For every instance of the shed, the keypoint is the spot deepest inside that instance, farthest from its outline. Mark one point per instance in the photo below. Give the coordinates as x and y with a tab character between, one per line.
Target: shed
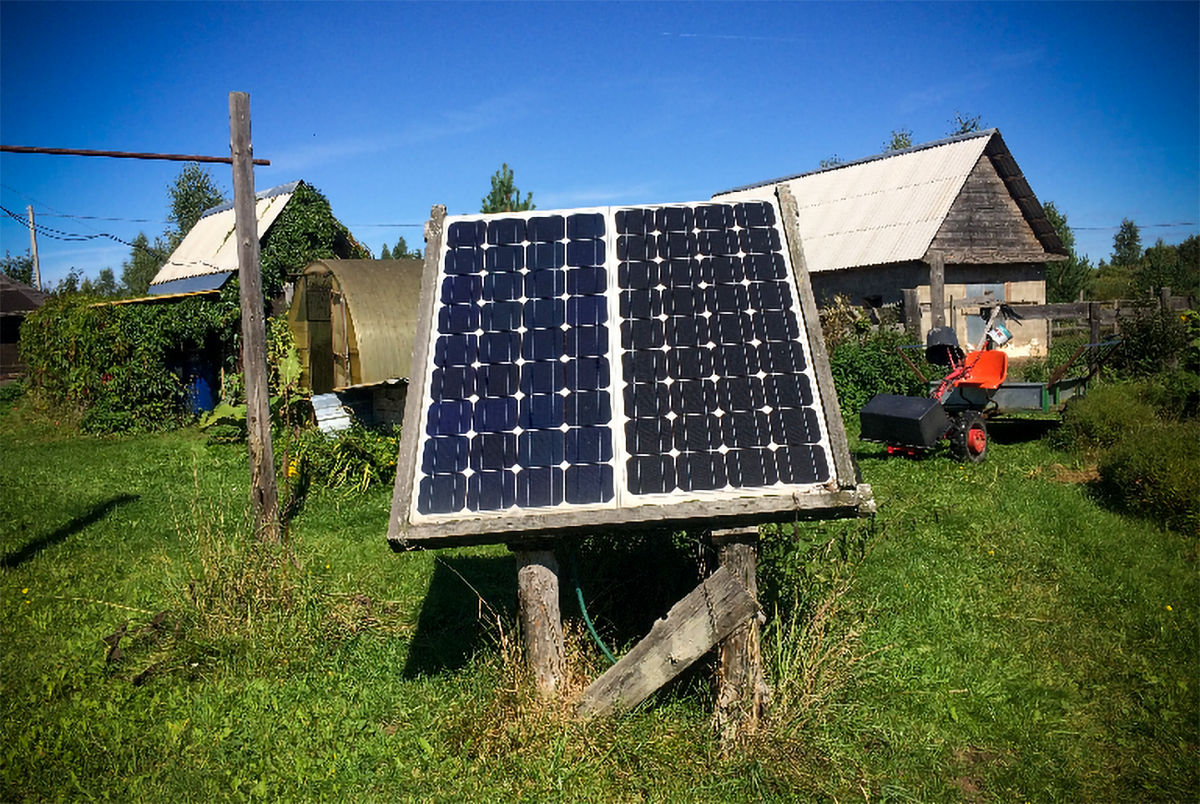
354	322
17	300
208	255
872	227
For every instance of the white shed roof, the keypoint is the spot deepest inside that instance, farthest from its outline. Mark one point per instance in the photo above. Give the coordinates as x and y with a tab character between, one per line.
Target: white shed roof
210	248
875	211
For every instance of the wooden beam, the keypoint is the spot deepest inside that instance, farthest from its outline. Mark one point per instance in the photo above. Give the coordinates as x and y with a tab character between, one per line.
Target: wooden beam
693	625
937	288
541	620
742	691
912	312
264	493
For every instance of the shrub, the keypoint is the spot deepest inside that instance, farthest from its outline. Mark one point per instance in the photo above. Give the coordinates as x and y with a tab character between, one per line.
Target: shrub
1156	474
1100	419
1174	394
871	364
354	459
1154	341
12	392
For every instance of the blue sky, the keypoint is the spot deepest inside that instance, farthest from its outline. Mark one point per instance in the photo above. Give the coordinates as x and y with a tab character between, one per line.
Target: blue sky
389	108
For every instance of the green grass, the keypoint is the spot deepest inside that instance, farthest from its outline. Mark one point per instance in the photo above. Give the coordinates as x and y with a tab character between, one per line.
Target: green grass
998	636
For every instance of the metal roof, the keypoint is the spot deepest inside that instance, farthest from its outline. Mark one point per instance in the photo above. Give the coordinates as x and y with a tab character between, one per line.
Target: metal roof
210	247
888	208
17	298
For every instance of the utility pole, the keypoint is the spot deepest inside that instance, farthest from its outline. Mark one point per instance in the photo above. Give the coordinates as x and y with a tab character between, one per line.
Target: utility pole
37	273
264	493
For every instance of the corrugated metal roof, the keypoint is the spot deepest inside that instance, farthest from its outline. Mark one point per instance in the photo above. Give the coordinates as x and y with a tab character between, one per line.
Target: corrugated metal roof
881	210
210	247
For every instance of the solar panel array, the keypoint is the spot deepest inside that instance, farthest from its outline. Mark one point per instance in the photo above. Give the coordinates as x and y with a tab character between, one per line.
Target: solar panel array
615	357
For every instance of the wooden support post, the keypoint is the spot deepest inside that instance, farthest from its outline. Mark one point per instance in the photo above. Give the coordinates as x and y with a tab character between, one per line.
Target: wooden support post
912	313
937	288
707	615
742	691
264	493
1094	334
541	620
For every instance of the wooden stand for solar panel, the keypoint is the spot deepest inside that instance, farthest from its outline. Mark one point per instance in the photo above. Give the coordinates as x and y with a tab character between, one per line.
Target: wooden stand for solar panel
721	610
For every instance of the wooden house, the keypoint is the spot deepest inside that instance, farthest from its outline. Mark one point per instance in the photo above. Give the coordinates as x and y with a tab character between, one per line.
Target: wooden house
17	300
875	228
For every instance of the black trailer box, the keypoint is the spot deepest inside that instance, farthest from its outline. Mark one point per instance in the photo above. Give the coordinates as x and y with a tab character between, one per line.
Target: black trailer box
910	421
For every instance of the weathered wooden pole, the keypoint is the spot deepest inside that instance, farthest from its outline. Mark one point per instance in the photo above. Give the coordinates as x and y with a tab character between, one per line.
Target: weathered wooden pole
541	620
937	288
912	312
264	493
742	691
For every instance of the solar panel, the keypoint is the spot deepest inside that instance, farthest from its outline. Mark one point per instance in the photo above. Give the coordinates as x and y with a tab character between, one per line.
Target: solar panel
598	366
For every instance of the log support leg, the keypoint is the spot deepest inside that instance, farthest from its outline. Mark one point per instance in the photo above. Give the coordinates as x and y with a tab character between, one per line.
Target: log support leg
742	693
541	620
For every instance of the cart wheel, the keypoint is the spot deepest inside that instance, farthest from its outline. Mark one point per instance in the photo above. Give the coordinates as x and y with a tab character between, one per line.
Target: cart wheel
969	441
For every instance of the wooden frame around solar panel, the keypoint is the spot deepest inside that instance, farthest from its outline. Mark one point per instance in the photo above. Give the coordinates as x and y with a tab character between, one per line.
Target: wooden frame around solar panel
581	370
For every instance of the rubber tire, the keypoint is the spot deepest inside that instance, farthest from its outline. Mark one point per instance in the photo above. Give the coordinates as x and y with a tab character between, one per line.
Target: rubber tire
961	441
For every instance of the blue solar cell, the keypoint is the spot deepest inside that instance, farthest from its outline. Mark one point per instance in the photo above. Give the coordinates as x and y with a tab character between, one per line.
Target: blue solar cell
505	258
501	316
586	341
496	380
739	360
726	270
499	347
454	350
636	248
700	471
750	468
770	296
650	436
588	483
586	310
495	415
781	357
740	393
675	219
461	289
776	325
450	417
543	377
692	396
587	408
644	366
719	243
545	284
493	451
505	231
466	233
715	216
585	226
643	333
588	445
503	286
681	273
640	304
764	267
729	299
445	455
787	391
586	373
760	241
794	426
689	331
464	261
585	252
638	275
635	221
454	382
541	448
690	364
587	281
677	245
441	494
801	464
647	400
458	318
491	491
746	429
542	412
542	344
730	328
540	487
544	313
545	229
545	256
698	433
754	213
651	474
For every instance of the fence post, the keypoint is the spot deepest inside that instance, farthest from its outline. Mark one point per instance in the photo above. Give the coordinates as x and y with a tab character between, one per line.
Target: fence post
1164	298
1094	330
912	312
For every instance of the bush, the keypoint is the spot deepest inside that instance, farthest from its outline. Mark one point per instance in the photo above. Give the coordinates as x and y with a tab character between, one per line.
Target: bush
1175	394
871	364
1156	474
1100	419
12	392
1152	342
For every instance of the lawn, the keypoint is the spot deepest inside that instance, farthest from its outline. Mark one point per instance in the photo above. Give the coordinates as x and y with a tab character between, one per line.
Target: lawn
992	635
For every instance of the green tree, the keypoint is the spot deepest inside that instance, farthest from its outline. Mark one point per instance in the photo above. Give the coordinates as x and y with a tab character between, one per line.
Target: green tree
1066	279
899	141
963	124
19	267
1127	245
105	285
505	197
193	193
1166	266
386	254
401	252
142	266
832	162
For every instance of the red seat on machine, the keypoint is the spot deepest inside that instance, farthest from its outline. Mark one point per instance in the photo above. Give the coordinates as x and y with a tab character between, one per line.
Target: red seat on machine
985	369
